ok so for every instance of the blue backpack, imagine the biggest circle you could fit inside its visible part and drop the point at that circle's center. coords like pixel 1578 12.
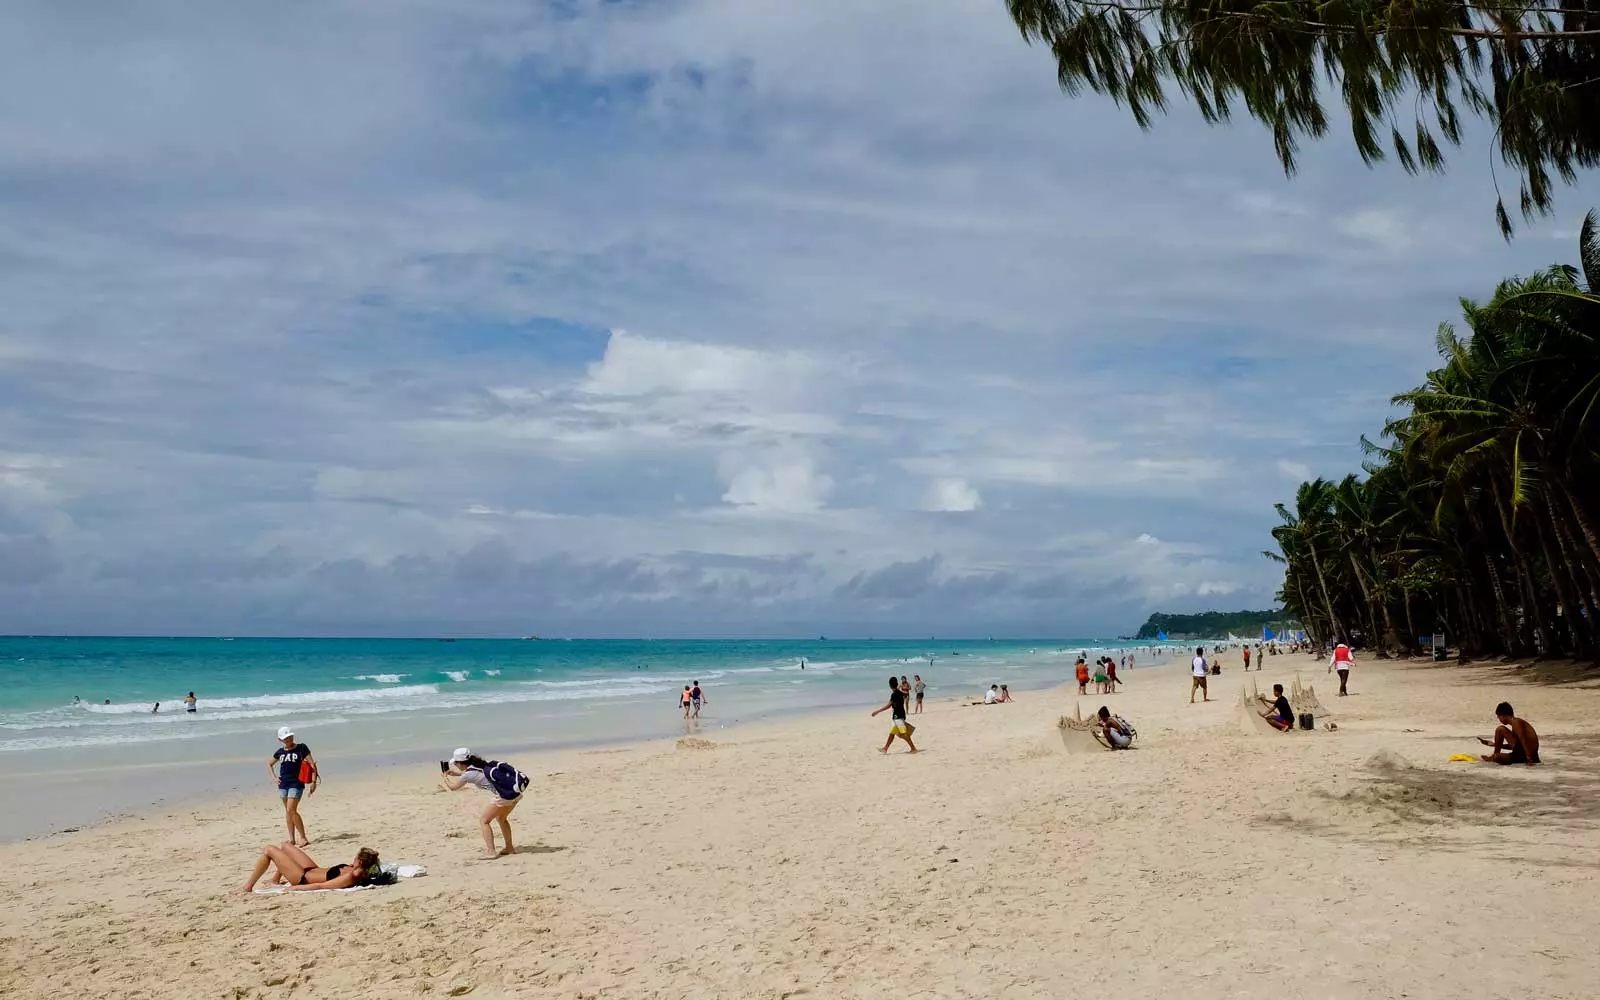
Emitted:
pixel 507 781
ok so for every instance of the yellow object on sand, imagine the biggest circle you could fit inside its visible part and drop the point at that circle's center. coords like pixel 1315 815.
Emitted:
pixel 1463 756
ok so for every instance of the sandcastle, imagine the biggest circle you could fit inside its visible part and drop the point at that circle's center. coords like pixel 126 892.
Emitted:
pixel 1302 699
pixel 1077 735
pixel 1080 735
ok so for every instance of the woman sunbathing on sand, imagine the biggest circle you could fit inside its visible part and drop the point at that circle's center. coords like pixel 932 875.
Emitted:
pixel 297 868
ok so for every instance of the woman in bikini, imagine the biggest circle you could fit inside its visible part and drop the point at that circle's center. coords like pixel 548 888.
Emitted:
pixel 296 867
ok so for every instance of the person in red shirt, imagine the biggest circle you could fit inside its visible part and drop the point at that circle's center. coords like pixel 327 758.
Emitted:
pixel 1342 661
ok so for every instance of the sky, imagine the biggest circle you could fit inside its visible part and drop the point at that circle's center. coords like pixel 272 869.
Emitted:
pixel 671 317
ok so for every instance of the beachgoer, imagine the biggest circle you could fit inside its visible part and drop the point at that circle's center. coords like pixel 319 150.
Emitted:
pixel 1279 714
pixel 1514 736
pixel 1199 669
pixel 1081 669
pixel 157 709
pixel 76 700
pixel 1005 695
pixel 905 688
pixel 1116 731
pixel 1111 675
pixel 296 771
pixel 898 726
pixel 686 701
pixel 1100 676
pixel 992 696
pixel 108 701
pixel 698 697
pixel 504 783
pixel 1342 661
pixel 190 703
pixel 921 688
pixel 295 867
pixel 1247 659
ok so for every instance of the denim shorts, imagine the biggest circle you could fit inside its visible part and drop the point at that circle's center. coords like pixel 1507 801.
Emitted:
pixel 291 793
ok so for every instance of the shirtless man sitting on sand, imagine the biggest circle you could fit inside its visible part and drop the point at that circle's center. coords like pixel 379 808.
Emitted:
pixel 1514 736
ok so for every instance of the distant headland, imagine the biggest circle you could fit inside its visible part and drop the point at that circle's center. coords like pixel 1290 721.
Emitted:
pixel 1213 624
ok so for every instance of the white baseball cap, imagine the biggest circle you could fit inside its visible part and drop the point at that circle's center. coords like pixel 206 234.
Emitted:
pixel 284 733
pixel 460 756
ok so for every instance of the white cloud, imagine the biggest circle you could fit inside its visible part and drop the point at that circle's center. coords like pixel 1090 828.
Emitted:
pixel 1296 471
pixel 1147 539
pixel 780 482
pixel 952 495
pixel 638 366
pixel 1216 588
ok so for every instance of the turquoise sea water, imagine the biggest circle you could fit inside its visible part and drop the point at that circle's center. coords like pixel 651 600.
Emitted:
pixel 254 685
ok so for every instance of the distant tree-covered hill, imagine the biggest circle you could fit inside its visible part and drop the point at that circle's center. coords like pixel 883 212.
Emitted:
pixel 1209 624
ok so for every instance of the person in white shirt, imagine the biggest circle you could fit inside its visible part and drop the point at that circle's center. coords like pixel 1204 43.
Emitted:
pixel 992 695
pixel 466 769
pixel 1199 668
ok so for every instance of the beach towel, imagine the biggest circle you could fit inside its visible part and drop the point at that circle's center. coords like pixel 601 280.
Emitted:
pixel 1464 757
pixel 398 871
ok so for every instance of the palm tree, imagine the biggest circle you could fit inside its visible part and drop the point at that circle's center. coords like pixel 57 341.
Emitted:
pixel 1478 508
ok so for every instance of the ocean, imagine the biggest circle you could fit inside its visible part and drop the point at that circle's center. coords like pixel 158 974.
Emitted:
pixel 79 692
pixel 80 710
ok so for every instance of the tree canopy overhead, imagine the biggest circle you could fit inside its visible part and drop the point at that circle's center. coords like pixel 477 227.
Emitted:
pixel 1405 69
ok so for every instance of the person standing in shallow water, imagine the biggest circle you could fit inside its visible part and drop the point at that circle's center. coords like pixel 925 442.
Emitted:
pixel 898 725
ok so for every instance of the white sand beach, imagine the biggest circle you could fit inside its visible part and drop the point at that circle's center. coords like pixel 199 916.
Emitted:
pixel 794 860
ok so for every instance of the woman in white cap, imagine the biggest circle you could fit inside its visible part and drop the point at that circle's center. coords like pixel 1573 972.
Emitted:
pixel 297 776
pixel 502 781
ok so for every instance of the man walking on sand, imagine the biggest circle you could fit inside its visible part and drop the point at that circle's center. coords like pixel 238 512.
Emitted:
pixel 898 726
pixel 1247 659
pixel 1342 661
pixel 1199 670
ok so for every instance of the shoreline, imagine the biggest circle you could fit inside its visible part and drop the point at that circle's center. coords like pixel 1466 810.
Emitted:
pixel 183 783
